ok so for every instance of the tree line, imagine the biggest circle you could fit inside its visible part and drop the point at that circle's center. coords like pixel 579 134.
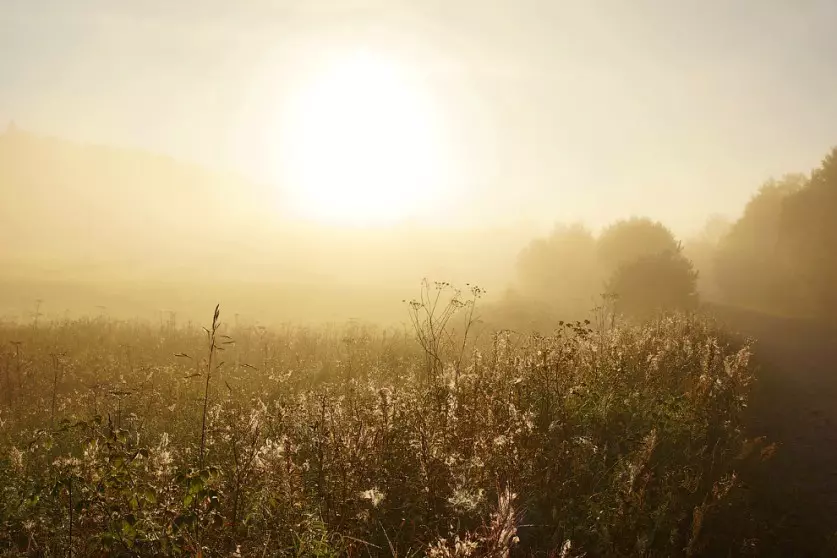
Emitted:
pixel 777 257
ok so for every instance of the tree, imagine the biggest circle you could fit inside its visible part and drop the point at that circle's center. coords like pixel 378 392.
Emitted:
pixel 651 284
pixel 752 266
pixel 631 239
pixel 702 251
pixel 807 234
pixel 561 268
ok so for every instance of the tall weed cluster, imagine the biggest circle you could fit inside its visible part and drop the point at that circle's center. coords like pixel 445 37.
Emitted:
pixel 132 440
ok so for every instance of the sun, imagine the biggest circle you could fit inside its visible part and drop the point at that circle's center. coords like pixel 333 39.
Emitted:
pixel 362 144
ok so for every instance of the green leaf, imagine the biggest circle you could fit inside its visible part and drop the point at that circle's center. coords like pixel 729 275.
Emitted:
pixel 149 495
pixel 196 484
pixel 129 533
pixel 107 539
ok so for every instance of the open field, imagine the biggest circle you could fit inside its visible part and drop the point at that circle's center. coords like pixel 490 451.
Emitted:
pixel 605 439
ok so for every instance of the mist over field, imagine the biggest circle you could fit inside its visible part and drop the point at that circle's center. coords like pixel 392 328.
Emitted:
pixel 446 279
pixel 138 233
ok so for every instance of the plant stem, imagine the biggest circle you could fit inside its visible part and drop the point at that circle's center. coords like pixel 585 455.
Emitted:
pixel 54 388
pixel 208 376
pixel 70 490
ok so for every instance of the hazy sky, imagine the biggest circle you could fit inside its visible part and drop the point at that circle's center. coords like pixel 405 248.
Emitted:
pixel 586 110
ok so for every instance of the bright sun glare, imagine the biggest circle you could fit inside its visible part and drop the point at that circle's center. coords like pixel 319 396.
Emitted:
pixel 362 144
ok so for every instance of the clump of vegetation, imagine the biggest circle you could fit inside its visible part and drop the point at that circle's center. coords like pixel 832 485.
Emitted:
pixel 637 262
pixel 750 267
pixel 663 282
pixel 562 270
pixel 629 240
pixel 600 440
pixel 777 257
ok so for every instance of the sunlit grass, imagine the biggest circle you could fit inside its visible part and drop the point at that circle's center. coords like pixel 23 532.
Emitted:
pixel 598 438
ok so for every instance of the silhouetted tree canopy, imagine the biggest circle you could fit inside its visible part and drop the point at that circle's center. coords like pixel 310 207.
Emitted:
pixel 628 240
pixel 751 267
pixel 639 257
pixel 661 282
pixel 780 256
pixel 561 268
pixel 808 236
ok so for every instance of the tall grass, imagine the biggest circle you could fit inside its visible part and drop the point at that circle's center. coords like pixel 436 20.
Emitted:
pixel 612 440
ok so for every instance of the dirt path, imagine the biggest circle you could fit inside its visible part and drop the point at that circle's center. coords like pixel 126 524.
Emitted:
pixel 795 404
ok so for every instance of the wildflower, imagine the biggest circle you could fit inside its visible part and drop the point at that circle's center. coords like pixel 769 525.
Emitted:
pixel 464 500
pixel 162 458
pixel 452 459
pixel 91 452
pixel 255 420
pixel 374 495
pixel 587 442
pixel 461 548
pixel 68 462
pixel 16 459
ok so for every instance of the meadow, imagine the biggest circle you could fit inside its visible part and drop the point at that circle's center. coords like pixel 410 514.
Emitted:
pixel 668 165
pixel 447 438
